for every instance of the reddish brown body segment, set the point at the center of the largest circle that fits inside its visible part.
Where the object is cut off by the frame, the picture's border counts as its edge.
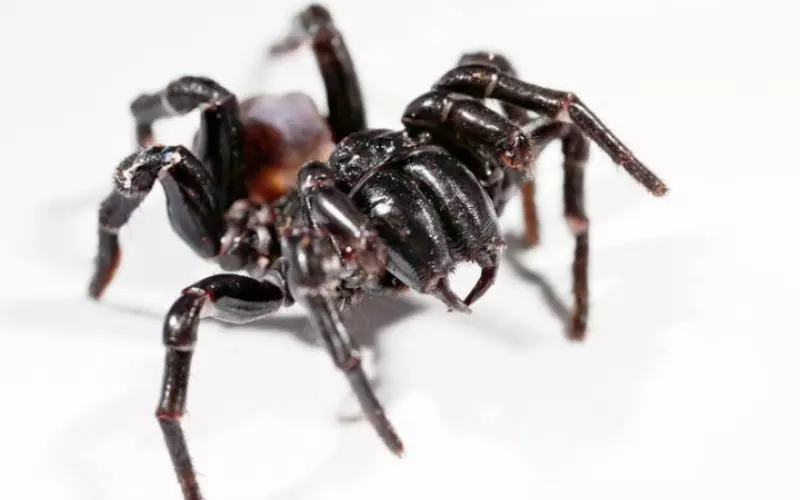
(282, 133)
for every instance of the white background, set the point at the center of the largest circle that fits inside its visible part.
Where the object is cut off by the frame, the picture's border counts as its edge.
(686, 387)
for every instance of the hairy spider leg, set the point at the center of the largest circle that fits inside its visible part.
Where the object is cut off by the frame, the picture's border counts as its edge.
(346, 110)
(575, 149)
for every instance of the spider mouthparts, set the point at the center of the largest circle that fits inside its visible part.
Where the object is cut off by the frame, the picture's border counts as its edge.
(443, 292)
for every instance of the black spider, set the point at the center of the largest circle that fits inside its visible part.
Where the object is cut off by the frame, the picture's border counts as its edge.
(388, 210)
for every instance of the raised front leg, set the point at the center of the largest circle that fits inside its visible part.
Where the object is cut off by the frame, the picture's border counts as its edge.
(346, 112)
(227, 297)
(194, 211)
(482, 81)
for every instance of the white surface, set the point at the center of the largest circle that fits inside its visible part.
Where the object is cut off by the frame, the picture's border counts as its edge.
(686, 387)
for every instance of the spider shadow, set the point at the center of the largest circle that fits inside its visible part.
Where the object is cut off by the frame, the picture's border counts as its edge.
(515, 248)
(365, 323)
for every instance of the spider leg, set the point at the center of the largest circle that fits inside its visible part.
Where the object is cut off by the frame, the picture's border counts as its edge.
(482, 81)
(521, 117)
(502, 63)
(346, 111)
(315, 272)
(230, 298)
(219, 141)
(321, 302)
(575, 148)
(193, 209)
(180, 97)
(441, 112)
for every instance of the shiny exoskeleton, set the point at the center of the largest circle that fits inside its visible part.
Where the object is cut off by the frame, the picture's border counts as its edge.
(387, 211)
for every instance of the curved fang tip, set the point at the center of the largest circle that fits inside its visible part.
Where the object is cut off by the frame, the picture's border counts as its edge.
(443, 292)
(486, 280)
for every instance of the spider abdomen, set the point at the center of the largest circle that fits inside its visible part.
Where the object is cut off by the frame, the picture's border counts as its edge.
(281, 133)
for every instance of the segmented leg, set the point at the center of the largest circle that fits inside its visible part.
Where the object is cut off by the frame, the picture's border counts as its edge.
(516, 114)
(530, 215)
(316, 268)
(346, 111)
(193, 209)
(180, 97)
(438, 111)
(482, 81)
(218, 143)
(311, 258)
(317, 264)
(228, 297)
(575, 148)
(520, 117)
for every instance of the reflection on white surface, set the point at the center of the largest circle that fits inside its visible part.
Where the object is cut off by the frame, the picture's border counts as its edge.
(686, 387)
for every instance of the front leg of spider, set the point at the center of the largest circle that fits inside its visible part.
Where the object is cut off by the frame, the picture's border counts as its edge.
(482, 81)
(315, 271)
(231, 298)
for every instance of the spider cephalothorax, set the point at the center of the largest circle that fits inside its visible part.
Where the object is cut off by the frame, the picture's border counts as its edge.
(386, 211)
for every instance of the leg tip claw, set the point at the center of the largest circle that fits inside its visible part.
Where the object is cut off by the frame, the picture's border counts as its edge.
(660, 190)
(577, 327)
(97, 287)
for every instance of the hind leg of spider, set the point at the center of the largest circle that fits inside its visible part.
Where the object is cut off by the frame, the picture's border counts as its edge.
(575, 149)
(346, 110)
(230, 298)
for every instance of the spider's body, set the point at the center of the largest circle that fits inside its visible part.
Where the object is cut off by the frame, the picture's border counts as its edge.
(262, 193)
